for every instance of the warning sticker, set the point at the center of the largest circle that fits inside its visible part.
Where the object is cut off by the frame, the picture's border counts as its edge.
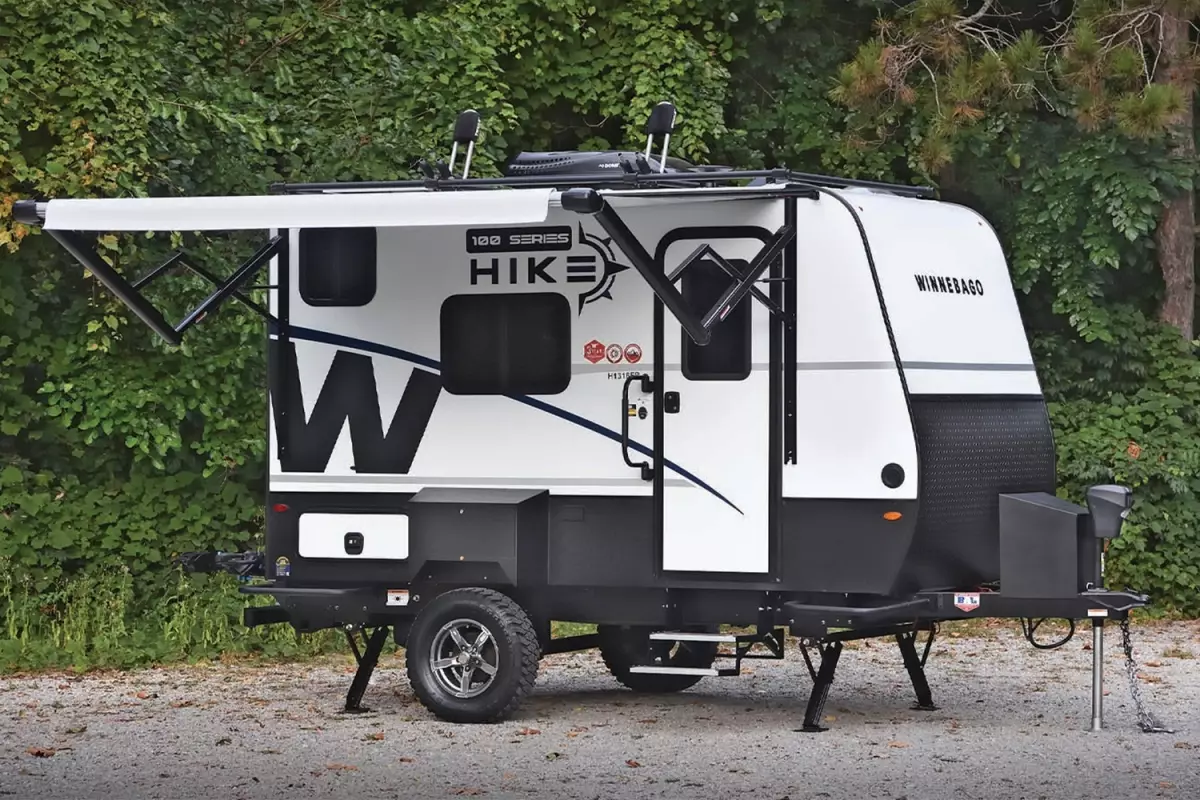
(1097, 612)
(966, 602)
(593, 351)
(633, 353)
(397, 597)
(614, 353)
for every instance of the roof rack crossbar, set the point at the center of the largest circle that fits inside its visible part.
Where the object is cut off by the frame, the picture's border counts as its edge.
(130, 294)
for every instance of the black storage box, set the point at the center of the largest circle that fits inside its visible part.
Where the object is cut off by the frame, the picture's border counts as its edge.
(1046, 546)
(506, 528)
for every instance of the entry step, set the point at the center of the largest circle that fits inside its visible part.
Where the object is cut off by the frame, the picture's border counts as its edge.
(686, 636)
(708, 671)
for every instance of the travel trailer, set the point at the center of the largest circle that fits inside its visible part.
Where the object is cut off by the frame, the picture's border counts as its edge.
(674, 401)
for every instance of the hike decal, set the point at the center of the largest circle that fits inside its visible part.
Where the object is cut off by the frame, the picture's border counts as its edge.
(609, 268)
(598, 268)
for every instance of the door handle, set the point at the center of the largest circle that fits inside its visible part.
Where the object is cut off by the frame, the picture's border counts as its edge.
(647, 387)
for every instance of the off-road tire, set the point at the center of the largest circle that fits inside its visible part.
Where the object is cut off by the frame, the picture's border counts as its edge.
(622, 648)
(516, 644)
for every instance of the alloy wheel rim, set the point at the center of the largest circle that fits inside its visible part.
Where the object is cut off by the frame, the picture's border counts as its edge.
(464, 658)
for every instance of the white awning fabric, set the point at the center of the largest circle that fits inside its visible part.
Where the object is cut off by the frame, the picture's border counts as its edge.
(262, 212)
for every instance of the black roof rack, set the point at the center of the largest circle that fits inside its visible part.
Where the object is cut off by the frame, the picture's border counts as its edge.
(609, 180)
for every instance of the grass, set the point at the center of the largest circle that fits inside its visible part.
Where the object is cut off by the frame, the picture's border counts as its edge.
(110, 619)
(560, 629)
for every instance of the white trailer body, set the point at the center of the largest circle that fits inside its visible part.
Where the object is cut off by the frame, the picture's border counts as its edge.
(944, 281)
(637, 394)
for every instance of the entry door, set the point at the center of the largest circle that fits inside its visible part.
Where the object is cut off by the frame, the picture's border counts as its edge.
(716, 428)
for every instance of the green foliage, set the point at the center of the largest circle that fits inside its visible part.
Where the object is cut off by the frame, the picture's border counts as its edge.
(117, 452)
(940, 67)
(1143, 431)
(1077, 214)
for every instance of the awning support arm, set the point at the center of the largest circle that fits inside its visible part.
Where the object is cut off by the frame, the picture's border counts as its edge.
(744, 284)
(130, 294)
(190, 264)
(729, 269)
(589, 201)
(699, 328)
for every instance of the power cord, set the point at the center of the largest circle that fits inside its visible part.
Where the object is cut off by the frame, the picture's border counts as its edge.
(1029, 627)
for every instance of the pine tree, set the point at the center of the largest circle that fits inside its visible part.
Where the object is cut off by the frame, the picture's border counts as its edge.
(1131, 64)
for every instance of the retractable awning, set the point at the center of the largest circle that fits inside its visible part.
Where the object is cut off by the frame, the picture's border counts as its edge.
(419, 208)
(410, 207)
(65, 220)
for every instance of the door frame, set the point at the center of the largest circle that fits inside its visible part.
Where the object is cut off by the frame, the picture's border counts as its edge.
(780, 399)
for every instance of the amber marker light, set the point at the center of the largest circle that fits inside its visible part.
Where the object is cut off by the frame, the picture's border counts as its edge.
(891, 516)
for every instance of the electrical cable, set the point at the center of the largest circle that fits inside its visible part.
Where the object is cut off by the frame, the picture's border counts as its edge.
(1029, 627)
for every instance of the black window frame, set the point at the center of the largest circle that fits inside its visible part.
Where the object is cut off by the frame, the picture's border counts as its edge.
(555, 315)
(363, 256)
(739, 321)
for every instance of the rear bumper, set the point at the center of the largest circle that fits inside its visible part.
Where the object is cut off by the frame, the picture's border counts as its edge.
(310, 609)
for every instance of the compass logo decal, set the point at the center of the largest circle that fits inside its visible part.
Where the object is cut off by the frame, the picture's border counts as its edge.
(609, 268)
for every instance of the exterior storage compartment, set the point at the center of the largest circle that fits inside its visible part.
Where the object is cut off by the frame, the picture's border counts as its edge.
(473, 527)
(1046, 547)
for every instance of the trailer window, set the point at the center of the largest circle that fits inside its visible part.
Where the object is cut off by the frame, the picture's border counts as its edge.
(727, 355)
(506, 343)
(337, 266)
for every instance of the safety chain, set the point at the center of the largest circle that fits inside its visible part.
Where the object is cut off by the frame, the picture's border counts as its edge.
(1147, 721)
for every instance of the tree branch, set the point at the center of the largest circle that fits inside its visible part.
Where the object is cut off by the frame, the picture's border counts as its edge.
(978, 15)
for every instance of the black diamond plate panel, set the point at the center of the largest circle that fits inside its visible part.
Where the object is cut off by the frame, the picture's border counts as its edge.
(971, 451)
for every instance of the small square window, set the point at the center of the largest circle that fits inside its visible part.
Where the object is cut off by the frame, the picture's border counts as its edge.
(506, 343)
(726, 357)
(337, 266)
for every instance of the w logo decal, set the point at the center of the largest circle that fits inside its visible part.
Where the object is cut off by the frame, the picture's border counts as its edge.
(349, 392)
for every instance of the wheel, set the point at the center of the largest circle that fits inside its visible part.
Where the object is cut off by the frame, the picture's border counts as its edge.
(622, 648)
(472, 656)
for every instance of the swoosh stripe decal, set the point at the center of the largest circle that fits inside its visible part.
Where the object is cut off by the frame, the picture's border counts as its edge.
(336, 339)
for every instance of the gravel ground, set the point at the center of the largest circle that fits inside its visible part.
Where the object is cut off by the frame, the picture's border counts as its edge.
(1012, 724)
